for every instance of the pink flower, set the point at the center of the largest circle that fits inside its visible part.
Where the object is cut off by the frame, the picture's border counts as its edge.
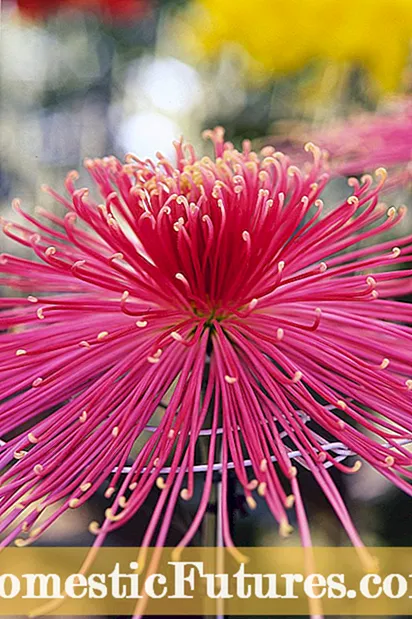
(364, 141)
(215, 287)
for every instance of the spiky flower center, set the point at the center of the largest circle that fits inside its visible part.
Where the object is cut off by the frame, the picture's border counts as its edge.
(211, 232)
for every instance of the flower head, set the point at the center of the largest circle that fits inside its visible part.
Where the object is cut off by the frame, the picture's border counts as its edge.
(362, 142)
(213, 293)
(112, 9)
(283, 37)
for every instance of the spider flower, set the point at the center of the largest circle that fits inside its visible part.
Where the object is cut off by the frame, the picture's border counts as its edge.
(215, 291)
(283, 37)
(362, 142)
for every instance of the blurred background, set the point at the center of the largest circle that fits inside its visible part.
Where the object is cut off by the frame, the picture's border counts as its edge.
(97, 77)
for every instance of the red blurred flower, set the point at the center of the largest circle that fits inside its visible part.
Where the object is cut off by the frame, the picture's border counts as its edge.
(110, 9)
